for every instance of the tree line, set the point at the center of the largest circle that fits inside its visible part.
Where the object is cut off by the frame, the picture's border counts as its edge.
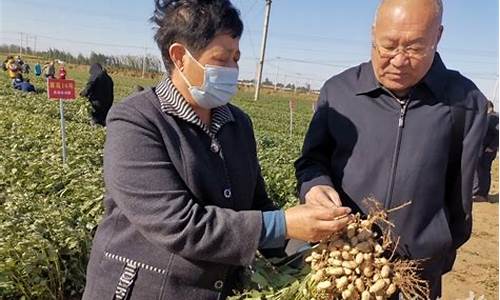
(151, 63)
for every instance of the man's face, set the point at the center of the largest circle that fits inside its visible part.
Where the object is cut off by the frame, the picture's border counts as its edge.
(404, 38)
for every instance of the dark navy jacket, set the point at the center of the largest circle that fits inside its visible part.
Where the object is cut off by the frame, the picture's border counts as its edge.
(365, 143)
(180, 216)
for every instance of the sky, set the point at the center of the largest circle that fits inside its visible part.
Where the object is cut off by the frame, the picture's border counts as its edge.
(308, 41)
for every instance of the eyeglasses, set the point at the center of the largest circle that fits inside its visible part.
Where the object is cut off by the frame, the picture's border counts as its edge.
(414, 51)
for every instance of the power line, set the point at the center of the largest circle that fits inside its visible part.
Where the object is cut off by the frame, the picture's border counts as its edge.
(312, 62)
(250, 37)
(84, 42)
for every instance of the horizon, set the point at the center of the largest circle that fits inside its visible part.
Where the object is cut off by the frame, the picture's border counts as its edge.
(308, 50)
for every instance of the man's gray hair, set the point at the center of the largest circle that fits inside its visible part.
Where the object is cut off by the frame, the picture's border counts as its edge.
(438, 6)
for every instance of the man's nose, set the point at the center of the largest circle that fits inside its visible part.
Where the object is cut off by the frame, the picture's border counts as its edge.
(400, 60)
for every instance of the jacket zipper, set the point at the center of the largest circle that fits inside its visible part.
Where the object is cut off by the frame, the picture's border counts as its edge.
(397, 147)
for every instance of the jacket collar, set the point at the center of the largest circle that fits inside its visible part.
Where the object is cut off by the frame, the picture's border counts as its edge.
(173, 103)
(434, 79)
(367, 82)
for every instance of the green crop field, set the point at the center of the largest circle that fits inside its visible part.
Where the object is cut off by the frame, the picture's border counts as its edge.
(48, 210)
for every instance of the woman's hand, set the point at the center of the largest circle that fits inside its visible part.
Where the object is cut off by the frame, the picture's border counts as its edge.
(313, 223)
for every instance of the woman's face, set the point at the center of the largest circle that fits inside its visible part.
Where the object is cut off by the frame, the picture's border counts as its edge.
(222, 51)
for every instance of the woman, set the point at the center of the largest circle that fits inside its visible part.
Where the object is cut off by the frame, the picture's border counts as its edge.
(99, 91)
(185, 200)
(12, 68)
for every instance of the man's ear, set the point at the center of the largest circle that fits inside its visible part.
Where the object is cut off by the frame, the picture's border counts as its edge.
(176, 52)
(440, 33)
(373, 34)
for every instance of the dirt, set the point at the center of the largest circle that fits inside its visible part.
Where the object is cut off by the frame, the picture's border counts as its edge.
(476, 267)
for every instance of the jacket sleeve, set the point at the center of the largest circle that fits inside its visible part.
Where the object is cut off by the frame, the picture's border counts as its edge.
(312, 167)
(460, 180)
(88, 87)
(492, 132)
(142, 181)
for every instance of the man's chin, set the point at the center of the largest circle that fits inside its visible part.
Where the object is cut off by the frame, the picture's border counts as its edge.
(397, 87)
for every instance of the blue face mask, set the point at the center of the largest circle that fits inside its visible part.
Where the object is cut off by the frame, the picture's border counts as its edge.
(220, 84)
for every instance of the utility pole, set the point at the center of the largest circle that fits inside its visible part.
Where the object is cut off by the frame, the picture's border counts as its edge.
(27, 42)
(263, 50)
(21, 45)
(34, 45)
(144, 61)
(277, 74)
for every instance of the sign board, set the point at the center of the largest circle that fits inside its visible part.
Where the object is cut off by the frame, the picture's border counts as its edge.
(61, 89)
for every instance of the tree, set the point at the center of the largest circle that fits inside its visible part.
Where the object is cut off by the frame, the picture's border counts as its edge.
(98, 58)
(267, 82)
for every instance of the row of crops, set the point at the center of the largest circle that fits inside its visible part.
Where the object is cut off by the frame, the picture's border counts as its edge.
(48, 211)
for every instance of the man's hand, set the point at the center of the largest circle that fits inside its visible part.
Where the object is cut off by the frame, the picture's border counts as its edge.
(314, 223)
(323, 195)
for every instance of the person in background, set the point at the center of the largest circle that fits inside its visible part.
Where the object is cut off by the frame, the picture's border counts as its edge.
(12, 68)
(19, 61)
(49, 70)
(26, 86)
(4, 64)
(25, 68)
(482, 178)
(38, 69)
(99, 91)
(23, 85)
(62, 72)
(17, 80)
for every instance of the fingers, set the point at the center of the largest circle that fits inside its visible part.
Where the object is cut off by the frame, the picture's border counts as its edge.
(332, 214)
(323, 195)
(325, 229)
(323, 200)
(333, 226)
(312, 222)
(334, 197)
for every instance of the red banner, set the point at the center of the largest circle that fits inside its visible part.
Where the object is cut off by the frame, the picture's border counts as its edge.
(61, 89)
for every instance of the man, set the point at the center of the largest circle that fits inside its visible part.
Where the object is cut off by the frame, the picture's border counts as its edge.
(17, 81)
(25, 68)
(38, 69)
(49, 70)
(12, 68)
(482, 178)
(19, 61)
(400, 128)
(27, 87)
(99, 91)
(62, 72)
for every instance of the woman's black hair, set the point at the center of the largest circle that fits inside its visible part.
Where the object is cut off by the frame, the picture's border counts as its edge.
(194, 23)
